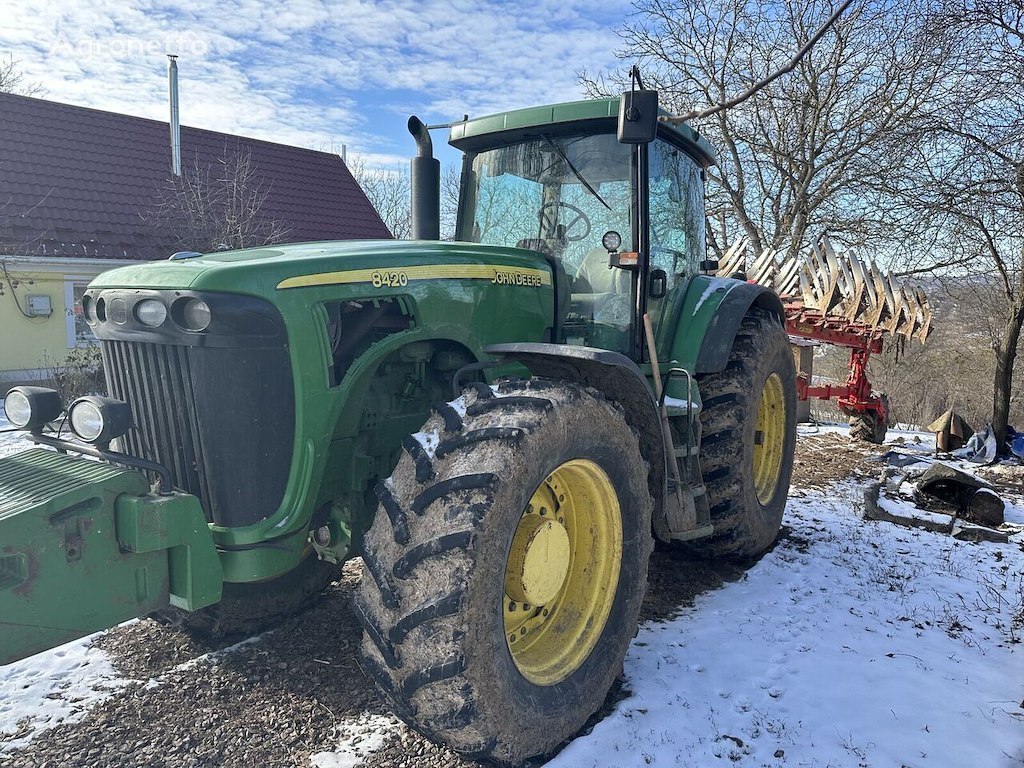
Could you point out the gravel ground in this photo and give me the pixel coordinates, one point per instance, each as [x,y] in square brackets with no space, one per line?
[276,699]
[281,697]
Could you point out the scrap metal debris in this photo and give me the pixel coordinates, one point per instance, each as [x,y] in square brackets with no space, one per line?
[936,497]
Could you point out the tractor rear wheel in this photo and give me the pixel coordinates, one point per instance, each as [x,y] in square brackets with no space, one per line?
[748,426]
[504,570]
[246,609]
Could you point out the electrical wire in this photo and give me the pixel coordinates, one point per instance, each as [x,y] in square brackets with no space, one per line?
[7,276]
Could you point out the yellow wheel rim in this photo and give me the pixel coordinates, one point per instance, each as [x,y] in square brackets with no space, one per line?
[562,572]
[769,439]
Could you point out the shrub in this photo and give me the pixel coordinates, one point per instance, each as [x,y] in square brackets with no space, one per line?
[79,373]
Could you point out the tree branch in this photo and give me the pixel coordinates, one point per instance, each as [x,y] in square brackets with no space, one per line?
[789,67]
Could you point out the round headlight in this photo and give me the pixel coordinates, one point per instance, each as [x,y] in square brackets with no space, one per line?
[118,311]
[31,407]
[88,310]
[611,240]
[151,312]
[17,408]
[195,315]
[97,419]
[86,421]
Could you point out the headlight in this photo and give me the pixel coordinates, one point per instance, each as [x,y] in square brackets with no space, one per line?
[151,312]
[195,315]
[117,310]
[31,407]
[88,310]
[97,419]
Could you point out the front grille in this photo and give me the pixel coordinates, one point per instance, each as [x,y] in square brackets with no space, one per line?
[222,420]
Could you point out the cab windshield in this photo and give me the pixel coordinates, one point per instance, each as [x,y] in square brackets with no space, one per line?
[560,194]
[555,194]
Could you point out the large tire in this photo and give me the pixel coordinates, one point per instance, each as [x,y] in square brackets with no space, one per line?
[868,426]
[245,609]
[438,599]
[746,465]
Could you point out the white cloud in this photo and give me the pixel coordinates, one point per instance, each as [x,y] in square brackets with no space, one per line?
[310,72]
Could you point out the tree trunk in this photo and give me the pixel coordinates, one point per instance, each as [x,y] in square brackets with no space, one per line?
[1006,354]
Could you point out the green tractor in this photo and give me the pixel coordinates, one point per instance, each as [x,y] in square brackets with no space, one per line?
[499,426]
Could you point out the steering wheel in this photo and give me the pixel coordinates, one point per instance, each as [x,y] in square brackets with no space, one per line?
[549,215]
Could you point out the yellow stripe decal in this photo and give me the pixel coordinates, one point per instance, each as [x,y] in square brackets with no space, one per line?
[398,277]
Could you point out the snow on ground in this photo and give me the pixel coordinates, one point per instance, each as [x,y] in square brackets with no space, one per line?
[62,684]
[359,739]
[850,644]
[59,685]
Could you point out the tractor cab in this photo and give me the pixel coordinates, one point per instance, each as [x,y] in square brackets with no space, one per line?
[621,224]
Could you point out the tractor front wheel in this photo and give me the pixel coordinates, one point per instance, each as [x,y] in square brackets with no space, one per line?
[505,568]
[749,436]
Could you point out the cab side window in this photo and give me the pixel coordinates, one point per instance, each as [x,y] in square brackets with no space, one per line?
[677,211]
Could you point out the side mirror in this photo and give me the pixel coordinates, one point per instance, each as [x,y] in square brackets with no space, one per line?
[638,117]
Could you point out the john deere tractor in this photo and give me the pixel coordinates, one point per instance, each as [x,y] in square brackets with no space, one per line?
[500,427]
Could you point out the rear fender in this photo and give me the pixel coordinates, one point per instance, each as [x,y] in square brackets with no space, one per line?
[712,311]
[85,545]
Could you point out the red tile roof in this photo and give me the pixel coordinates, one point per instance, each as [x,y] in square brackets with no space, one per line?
[78,182]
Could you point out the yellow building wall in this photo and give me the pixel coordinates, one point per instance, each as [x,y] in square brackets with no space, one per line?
[28,342]
[35,343]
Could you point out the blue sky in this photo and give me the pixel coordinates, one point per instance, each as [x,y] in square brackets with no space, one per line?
[314,73]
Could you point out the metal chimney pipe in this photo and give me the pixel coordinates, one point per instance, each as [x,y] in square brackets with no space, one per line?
[172,88]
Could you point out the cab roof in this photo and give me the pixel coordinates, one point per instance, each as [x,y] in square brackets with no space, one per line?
[479,133]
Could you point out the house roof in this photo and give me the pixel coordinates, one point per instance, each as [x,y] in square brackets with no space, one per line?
[79,182]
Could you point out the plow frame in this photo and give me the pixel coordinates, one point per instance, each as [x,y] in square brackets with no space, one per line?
[855,396]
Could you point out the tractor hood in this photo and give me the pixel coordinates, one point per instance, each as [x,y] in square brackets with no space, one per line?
[262,271]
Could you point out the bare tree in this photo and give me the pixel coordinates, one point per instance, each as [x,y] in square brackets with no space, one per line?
[12,80]
[962,176]
[796,152]
[218,206]
[390,193]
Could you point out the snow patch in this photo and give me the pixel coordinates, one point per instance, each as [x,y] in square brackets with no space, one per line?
[213,657]
[907,509]
[57,686]
[429,441]
[459,405]
[359,739]
[1013,513]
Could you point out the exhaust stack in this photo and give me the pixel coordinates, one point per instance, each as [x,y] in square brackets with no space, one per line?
[172,88]
[426,185]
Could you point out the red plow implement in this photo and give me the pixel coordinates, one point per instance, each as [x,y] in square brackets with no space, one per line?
[836,298]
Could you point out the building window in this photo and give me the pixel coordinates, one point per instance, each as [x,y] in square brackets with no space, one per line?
[79,332]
